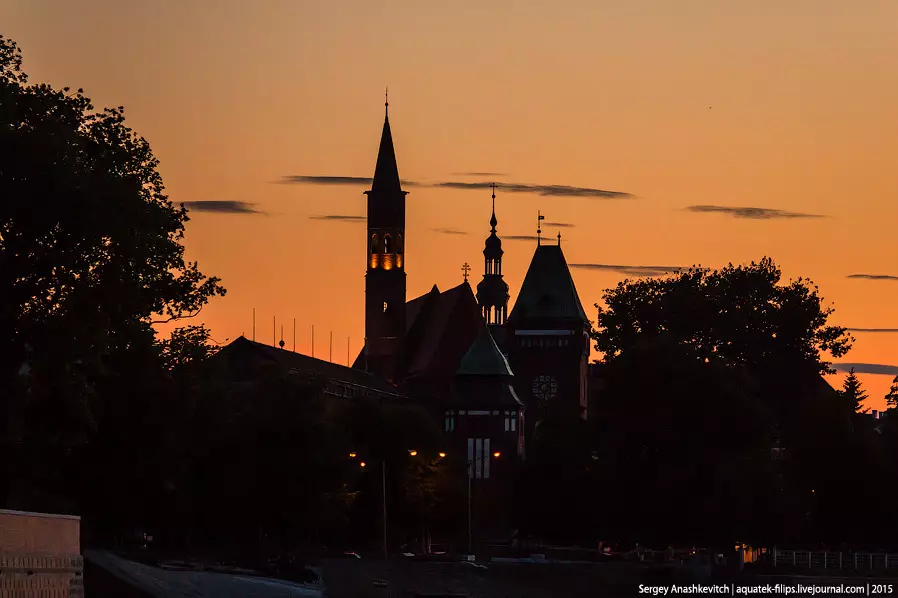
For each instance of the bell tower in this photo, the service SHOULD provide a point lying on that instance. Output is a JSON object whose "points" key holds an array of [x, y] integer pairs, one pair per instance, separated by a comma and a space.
{"points": [[492, 291], [385, 281]]}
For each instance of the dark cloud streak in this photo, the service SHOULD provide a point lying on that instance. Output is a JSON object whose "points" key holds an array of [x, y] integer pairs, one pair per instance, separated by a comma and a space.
{"points": [[448, 231], [872, 329], [559, 224], [751, 213], [867, 368], [543, 190], [629, 270], [874, 276], [339, 218], [222, 207], [519, 237]]}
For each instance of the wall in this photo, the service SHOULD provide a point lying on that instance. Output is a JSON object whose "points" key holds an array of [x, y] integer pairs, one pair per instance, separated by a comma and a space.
{"points": [[40, 555]]}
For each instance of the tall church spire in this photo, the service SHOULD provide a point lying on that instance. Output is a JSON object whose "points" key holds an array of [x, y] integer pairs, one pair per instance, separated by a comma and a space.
{"points": [[492, 291], [385, 280], [386, 173]]}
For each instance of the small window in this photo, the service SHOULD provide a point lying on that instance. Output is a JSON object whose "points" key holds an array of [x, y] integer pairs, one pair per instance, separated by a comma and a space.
{"points": [[386, 305], [388, 245], [374, 243]]}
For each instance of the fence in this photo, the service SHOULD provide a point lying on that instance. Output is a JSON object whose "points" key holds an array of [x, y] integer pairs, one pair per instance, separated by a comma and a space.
{"points": [[40, 555], [808, 559]]}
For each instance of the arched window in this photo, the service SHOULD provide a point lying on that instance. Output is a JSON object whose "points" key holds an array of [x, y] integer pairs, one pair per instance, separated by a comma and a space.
{"points": [[388, 245], [374, 243], [398, 243]]}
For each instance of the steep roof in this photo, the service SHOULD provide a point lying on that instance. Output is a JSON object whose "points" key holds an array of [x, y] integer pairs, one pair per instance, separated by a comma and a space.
{"points": [[548, 291], [243, 349], [484, 358], [443, 332], [386, 172], [440, 327]]}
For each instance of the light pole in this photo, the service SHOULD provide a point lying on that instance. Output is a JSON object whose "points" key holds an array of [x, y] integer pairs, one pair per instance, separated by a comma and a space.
{"points": [[470, 467], [383, 486]]}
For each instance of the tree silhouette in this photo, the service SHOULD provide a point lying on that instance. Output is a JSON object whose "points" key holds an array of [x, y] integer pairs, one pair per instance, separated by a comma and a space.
{"points": [[853, 392], [91, 255], [892, 395]]}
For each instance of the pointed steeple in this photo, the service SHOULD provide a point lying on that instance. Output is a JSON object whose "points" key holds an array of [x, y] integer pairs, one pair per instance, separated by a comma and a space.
{"points": [[493, 221], [386, 173]]}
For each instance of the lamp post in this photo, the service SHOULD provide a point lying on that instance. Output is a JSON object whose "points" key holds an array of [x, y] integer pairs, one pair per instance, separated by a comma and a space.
{"points": [[470, 467], [383, 486]]}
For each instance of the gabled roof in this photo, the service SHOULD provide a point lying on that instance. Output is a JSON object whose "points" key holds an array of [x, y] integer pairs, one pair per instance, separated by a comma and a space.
{"points": [[443, 332], [440, 328], [548, 291], [245, 350], [484, 358], [386, 172]]}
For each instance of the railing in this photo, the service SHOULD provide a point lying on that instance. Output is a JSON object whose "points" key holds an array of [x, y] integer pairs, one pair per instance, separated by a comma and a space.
{"points": [[808, 559]]}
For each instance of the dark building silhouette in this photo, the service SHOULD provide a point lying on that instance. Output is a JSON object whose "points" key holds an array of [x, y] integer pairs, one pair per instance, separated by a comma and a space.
{"points": [[492, 291], [485, 373], [385, 281], [547, 337]]}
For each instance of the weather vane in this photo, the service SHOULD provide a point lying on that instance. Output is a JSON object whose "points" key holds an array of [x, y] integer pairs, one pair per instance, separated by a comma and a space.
{"points": [[539, 219], [466, 268], [493, 187]]}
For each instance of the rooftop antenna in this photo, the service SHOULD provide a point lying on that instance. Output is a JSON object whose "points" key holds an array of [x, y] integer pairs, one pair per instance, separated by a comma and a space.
{"points": [[331, 357], [294, 335], [254, 324], [281, 342], [274, 327], [313, 340], [347, 350], [539, 219]]}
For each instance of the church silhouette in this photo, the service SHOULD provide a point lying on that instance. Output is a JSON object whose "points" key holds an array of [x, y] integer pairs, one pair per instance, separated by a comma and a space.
{"points": [[486, 372]]}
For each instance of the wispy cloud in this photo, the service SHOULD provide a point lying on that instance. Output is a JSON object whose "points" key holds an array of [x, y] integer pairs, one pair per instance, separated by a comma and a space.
{"points": [[544, 190], [478, 174], [354, 181], [559, 224], [874, 276], [629, 270], [867, 368], [519, 237], [448, 231], [751, 212], [872, 329], [339, 218], [222, 207]]}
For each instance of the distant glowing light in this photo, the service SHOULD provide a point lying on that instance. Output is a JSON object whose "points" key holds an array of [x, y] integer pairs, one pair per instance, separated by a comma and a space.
{"points": [[497, 454], [442, 455], [362, 464], [413, 453], [352, 455]]}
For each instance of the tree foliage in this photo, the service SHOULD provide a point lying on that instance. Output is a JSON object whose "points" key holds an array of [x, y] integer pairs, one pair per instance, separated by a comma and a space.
{"points": [[738, 315], [90, 253], [892, 395], [853, 392]]}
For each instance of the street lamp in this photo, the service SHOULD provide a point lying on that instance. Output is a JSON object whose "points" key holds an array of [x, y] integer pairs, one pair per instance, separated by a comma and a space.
{"points": [[470, 467]]}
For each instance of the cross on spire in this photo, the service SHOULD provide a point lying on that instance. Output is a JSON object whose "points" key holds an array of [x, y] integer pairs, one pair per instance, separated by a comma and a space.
{"points": [[465, 268], [493, 221], [493, 187]]}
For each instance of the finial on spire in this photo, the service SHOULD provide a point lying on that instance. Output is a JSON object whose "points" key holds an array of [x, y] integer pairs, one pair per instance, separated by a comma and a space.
{"points": [[539, 219], [387, 101], [493, 221], [465, 268], [559, 238]]}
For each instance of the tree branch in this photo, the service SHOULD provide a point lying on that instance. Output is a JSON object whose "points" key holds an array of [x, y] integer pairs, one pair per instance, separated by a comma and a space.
{"points": [[178, 317]]}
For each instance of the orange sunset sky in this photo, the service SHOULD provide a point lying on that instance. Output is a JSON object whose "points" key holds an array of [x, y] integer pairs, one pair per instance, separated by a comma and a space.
{"points": [[787, 106]]}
